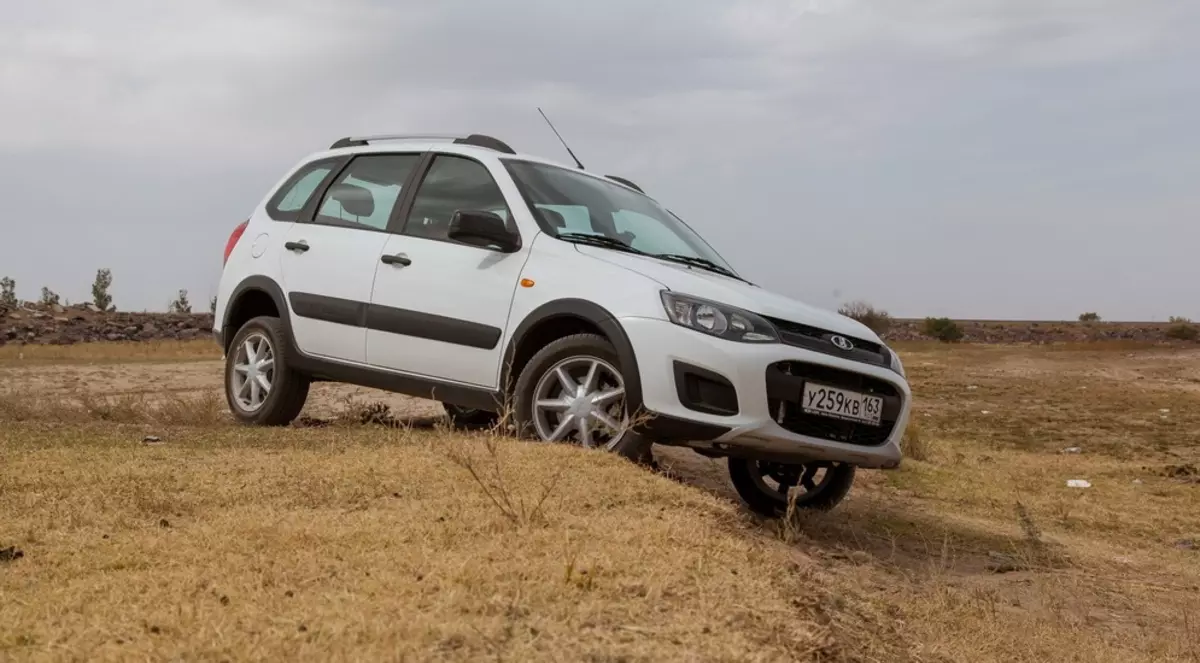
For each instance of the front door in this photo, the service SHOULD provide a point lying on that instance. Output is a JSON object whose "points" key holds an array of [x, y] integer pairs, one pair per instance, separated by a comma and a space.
{"points": [[328, 264], [440, 307]]}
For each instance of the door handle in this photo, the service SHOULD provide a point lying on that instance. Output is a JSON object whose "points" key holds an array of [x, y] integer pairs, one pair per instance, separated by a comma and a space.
{"points": [[398, 259], [300, 246]]}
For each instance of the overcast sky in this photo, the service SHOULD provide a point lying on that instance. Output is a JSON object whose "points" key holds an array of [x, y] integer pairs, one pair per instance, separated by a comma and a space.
{"points": [[970, 158]]}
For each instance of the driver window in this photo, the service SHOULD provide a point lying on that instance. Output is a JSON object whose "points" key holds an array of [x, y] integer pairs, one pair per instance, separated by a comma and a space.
{"points": [[453, 183]]}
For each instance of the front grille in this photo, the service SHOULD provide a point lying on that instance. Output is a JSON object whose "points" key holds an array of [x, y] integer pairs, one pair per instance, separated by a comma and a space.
{"points": [[785, 386], [819, 340]]}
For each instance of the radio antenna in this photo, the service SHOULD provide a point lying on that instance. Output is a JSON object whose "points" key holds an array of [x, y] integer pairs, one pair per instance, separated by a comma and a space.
{"points": [[560, 139]]}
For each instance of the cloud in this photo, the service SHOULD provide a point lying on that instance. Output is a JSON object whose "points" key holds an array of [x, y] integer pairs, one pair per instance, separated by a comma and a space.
{"points": [[913, 122]]}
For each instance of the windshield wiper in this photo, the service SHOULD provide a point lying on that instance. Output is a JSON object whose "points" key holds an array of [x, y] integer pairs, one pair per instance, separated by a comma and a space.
{"points": [[599, 240], [703, 263]]}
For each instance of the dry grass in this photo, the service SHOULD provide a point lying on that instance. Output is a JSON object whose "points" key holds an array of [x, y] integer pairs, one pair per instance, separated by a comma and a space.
{"points": [[372, 537], [111, 352], [369, 545]]}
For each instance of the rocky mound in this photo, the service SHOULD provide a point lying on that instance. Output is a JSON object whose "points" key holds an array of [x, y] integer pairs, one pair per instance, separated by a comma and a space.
{"points": [[999, 332], [83, 323]]}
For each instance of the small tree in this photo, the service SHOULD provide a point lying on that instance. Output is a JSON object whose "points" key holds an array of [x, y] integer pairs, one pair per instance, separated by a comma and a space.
{"points": [[1089, 317], [49, 297], [181, 303], [8, 293], [1182, 329], [878, 321], [212, 305], [943, 329], [100, 295]]}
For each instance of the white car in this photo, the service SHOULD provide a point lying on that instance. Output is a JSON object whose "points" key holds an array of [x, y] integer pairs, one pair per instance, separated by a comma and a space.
{"points": [[455, 269]]}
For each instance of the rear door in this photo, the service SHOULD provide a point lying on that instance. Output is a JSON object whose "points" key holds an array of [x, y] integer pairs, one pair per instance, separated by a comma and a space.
{"points": [[329, 258], [440, 307]]}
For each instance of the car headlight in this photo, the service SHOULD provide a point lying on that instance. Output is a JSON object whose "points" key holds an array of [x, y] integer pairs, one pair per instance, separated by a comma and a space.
{"points": [[718, 320], [896, 364]]}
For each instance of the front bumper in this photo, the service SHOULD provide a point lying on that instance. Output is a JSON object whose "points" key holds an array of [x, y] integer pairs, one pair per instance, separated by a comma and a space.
{"points": [[760, 422]]}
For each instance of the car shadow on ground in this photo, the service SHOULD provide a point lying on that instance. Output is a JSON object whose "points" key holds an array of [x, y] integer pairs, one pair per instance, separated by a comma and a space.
{"points": [[872, 525]]}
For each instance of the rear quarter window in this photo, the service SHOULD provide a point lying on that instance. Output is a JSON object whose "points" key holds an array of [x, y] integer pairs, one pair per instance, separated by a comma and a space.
{"points": [[294, 194]]}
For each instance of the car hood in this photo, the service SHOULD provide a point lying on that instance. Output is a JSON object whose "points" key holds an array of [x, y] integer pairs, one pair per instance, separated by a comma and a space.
{"points": [[702, 283]]}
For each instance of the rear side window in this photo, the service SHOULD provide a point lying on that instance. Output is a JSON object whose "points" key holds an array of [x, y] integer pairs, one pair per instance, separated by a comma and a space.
{"points": [[290, 199], [367, 192]]}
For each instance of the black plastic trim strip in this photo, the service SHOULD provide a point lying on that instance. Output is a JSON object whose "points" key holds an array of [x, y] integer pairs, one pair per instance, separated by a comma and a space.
{"points": [[667, 429], [432, 327], [381, 318], [329, 309]]}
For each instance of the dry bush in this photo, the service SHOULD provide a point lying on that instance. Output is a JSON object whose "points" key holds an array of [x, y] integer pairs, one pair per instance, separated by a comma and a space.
{"points": [[1183, 330], [943, 329], [109, 352], [482, 459], [8, 293], [877, 320], [1090, 316], [204, 409], [914, 445]]}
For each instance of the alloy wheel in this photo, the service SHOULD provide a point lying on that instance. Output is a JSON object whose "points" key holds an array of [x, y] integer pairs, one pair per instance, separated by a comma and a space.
{"points": [[581, 399], [253, 372]]}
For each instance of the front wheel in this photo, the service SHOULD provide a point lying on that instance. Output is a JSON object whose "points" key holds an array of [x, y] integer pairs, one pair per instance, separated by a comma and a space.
{"points": [[767, 486], [573, 391]]}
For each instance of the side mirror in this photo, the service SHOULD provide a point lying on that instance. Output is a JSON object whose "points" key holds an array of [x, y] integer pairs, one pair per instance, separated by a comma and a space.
{"points": [[484, 229]]}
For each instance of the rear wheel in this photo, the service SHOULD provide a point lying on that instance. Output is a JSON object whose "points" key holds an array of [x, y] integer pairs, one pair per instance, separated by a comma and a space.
{"points": [[766, 487], [260, 386], [573, 391]]}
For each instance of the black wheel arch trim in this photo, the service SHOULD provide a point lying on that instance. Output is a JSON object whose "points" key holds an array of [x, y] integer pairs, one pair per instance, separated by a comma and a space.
{"points": [[263, 284], [589, 312]]}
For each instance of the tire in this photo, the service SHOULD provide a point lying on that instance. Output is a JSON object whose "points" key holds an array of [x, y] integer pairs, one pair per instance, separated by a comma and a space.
{"points": [[575, 355], [288, 389], [469, 418], [747, 477]]}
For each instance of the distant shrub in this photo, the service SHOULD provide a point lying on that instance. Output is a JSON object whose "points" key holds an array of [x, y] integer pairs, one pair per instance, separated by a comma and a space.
{"points": [[1183, 331], [100, 295], [212, 305], [878, 321], [1089, 317], [8, 293], [1177, 320], [181, 303], [943, 329], [49, 297]]}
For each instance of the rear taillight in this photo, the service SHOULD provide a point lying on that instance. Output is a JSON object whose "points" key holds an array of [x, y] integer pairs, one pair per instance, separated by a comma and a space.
{"points": [[233, 239]]}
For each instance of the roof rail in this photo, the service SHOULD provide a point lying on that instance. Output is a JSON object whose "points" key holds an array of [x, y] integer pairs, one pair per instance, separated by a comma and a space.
{"points": [[478, 140], [626, 182]]}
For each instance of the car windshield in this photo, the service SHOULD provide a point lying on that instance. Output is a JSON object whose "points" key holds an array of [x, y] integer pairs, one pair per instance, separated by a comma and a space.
{"points": [[574, 205]]}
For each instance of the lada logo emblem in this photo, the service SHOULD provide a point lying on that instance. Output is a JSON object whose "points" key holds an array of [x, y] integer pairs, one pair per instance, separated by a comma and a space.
{"points": [[841, 342]]}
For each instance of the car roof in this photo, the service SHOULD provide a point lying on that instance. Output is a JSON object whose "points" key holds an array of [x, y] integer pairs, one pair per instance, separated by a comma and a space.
{"points": [[442, 144]]}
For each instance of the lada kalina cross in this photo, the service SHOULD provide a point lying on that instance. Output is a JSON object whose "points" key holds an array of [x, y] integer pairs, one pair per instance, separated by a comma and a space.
{"points": [[453, 268]]}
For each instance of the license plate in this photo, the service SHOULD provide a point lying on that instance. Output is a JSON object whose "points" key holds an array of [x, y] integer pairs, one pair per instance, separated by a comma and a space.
{"points": [[841, 404]]}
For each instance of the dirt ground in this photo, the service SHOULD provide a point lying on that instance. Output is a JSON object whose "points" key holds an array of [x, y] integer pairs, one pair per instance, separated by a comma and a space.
{"points": [[976, 549]]}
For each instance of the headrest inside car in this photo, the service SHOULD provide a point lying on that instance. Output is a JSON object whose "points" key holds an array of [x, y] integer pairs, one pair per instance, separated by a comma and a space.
{"points": [[354, 199]]}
